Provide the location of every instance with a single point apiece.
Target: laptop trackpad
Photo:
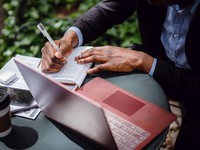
(124, 103)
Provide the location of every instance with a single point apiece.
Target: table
(43, 134)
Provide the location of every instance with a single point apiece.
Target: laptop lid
(69, 108)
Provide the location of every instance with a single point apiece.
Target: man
(169, 51)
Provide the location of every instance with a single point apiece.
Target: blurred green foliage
(20, 34)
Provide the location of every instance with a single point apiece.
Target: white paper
(30, 114)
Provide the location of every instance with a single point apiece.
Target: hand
(53, 60)
(118, 59)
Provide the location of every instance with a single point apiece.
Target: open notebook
(107, 119)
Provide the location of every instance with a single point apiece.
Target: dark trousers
(188, 137)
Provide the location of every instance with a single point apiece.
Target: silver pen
(46, 34)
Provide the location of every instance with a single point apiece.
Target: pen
(18, 110)
(46, 34)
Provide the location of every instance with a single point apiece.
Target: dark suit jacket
(177, 83)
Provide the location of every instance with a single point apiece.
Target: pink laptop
(135, 121)
(100, 113)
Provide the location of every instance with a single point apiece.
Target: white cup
(5, 119)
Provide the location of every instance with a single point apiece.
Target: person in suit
(169, 52)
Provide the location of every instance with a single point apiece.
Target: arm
(117, 59)
(177, 83)
(103, 16)
(92, 24)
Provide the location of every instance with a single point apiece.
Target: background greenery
(20, 34)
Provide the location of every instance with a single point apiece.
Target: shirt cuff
(79, 34)
(151, 72)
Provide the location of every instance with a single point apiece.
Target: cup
(5, 119)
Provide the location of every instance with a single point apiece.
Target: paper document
(72, 73)
(30, 114)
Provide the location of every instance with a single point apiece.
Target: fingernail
(88, 71)
(80, 61)
(77, 57)
(58, 55)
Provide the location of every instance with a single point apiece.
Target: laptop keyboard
(126, 135)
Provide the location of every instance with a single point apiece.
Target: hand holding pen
(46, 34)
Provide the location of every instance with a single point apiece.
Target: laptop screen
(68, 108)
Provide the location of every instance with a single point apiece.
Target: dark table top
(43, 134)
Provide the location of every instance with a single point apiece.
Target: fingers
(96, 55)
(86, 53)
(49, 66)
(50, 63)
(98, 68)
(48, 52)
(91, 55)
(48, 69)
(59, 54)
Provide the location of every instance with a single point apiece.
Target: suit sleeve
(103, 16)
(178, 83)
